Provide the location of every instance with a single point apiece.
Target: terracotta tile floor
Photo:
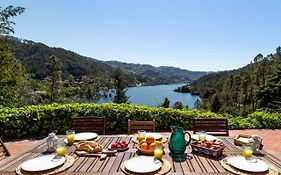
(271, 140)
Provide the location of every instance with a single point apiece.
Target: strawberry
(113, 145)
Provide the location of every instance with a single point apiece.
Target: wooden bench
(213, 126)
(88, 124)
(4, 152)
(135, 125)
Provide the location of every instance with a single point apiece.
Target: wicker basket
(206, 151)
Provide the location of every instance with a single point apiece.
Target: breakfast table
(194, 164)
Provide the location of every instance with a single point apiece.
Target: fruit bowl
(148, 145)
(145, 152)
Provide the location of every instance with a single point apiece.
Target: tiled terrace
(271, 140)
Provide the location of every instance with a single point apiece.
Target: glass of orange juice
(61, 149)
(141, 135)
(248, 152)
(70, 136)
(158, 152)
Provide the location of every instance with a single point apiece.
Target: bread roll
(89, 146)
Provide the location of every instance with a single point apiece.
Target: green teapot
(178, 144)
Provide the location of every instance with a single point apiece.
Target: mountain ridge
(160, 73)
(35, 55)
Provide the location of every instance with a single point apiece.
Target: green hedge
(42, 119)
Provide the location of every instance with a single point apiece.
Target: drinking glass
(141, 135)
(61, 149)
(201, 135)
(158, 152)
(248, 152)
(70, 136)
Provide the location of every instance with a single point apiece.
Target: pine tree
(120, 87)
(215, 104)
(269, 95)
(54, 66)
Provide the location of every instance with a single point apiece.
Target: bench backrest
(214, 126)
(88, 124)
(135, 125)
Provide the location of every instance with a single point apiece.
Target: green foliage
(12, 74)
(54, 66)
(236, 89)
(150, 75)
(178, 105)
(215, 104)
(6, 25)
(166, 103)
(42, 119)
(183, 89)
(269, 95)
(12, 80)
(120, 87)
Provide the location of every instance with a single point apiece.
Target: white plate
(43, 163)
(143, 164)
(241, 163)
(208, 137)
(156, 136)
(85, 136)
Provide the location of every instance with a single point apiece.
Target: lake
(153, 96)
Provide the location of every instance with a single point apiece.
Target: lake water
(153, 96)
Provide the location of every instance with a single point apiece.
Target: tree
(269, 95)
(54, 66)
(166, 103)
(12, 74)
(258, 58)
(178, 105)
(12, 80)
(215, 104)
(120, 87)
(6, 25)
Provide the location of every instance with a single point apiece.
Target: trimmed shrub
(42, 119)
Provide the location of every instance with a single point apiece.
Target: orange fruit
(149, 139)
(144, 146)
(158, 143)
(152, 146)
(143, 141)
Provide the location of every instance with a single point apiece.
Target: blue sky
(207, 35)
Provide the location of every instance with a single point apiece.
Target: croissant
(89, 146)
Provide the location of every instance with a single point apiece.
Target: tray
(208, 148)
(242, 139)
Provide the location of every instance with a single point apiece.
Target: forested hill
(159, 75)
(34, 56)
(242, 91)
